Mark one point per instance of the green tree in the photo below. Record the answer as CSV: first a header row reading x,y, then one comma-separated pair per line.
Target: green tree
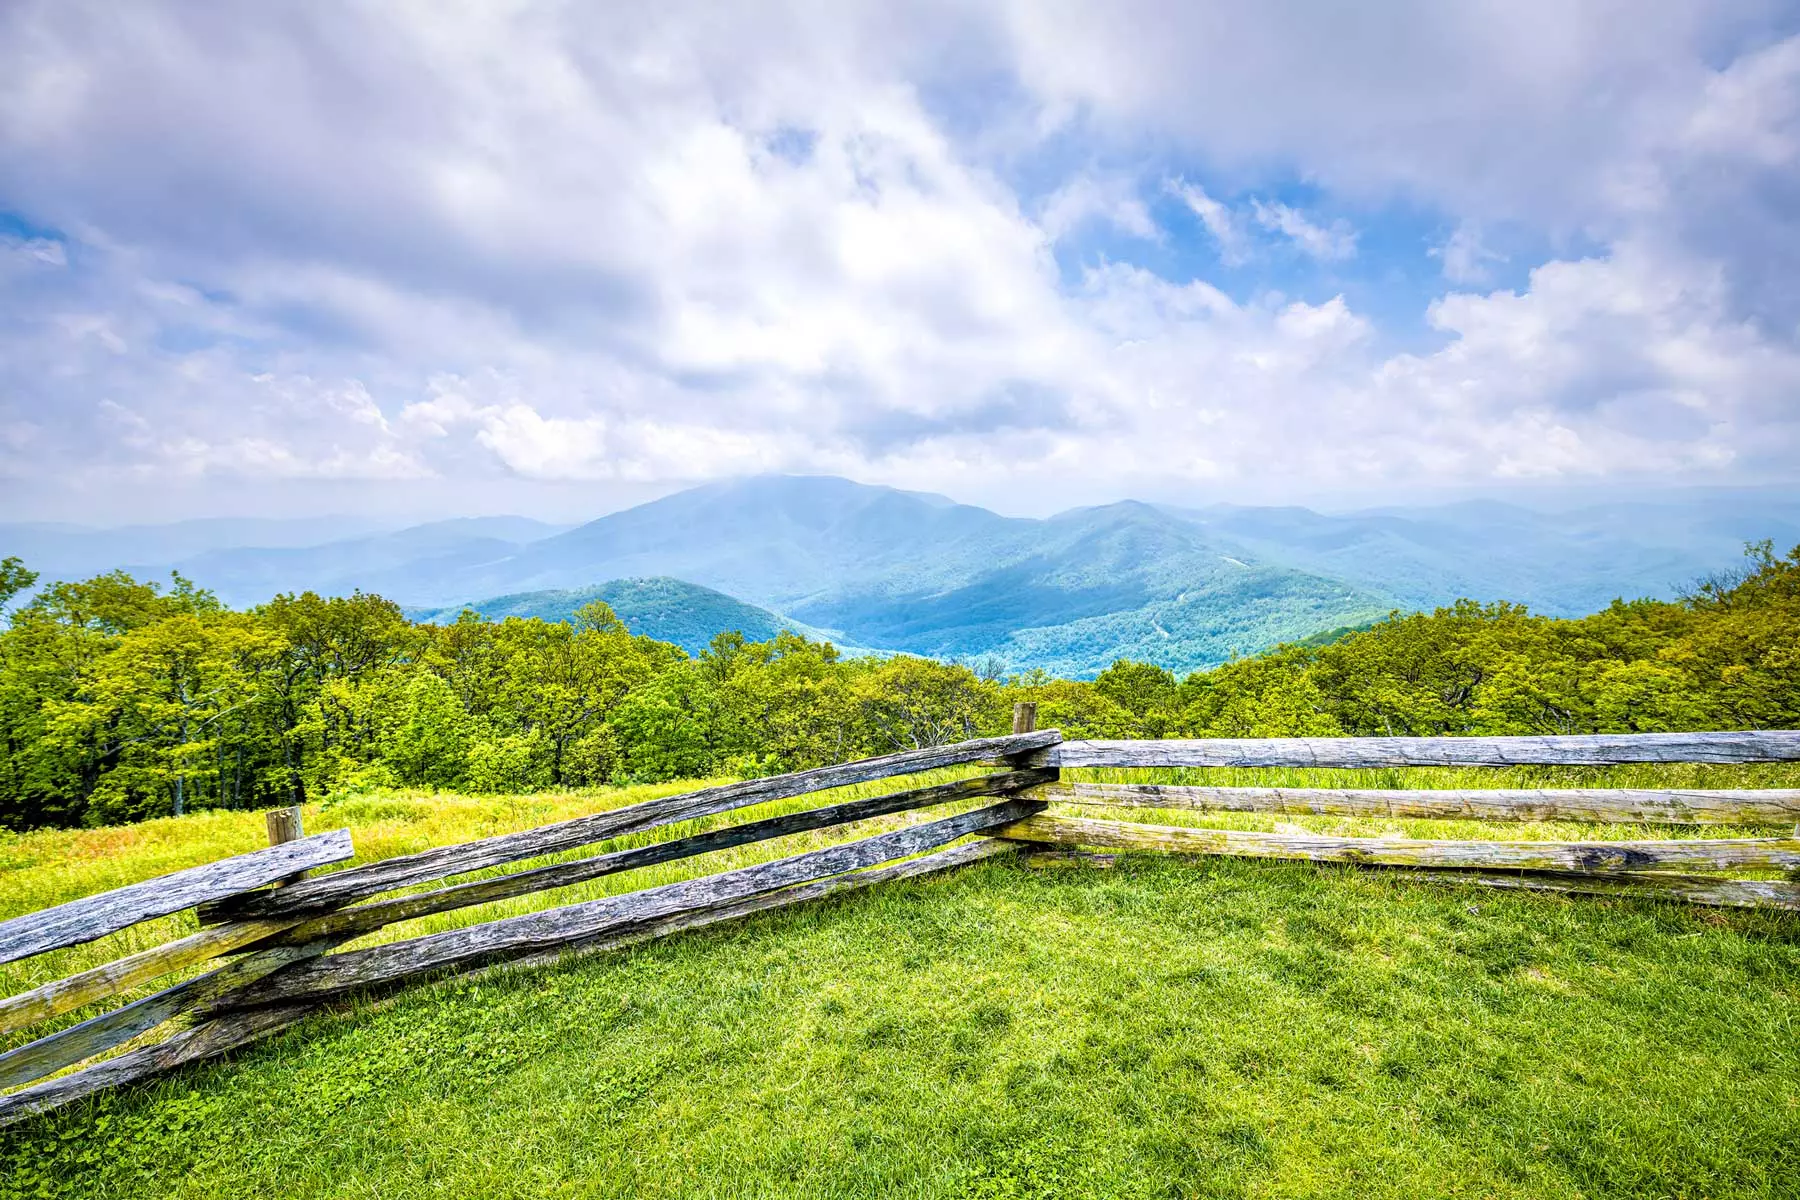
x,y
429,742
14,578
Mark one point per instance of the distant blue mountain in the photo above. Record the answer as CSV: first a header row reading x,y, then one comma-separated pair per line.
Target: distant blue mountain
x,y
895,570
1562,563
61,551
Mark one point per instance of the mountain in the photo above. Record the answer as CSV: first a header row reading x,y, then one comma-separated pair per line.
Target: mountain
x,y
247,561
60,551
900,570
897,570
1075,592
1562,563
669,610
770,540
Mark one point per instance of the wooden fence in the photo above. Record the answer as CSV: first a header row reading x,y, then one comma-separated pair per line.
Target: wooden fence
x,y
283,937
283,930
1689,869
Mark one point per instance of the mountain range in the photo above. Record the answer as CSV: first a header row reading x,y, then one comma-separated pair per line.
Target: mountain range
x,y
886,569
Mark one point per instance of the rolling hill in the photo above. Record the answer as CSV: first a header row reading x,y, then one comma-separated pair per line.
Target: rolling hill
x,y
669,610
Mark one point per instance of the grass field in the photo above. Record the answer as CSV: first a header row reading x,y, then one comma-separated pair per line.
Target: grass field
x,y
1169,1028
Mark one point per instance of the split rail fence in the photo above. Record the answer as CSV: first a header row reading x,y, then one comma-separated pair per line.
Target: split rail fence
x,y
272,937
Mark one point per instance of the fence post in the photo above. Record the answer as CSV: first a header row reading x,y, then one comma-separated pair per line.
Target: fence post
x,y
285,826
1025,721
1025,716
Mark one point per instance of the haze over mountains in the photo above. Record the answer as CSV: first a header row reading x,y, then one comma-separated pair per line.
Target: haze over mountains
x,y
886,569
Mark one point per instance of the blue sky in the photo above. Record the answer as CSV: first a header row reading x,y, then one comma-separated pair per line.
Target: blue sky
x,y
422,260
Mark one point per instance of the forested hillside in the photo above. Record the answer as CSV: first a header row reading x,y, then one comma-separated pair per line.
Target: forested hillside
x,y
121,699
669,610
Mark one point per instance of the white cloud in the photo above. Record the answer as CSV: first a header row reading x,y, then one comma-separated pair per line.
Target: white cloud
x,y
33,252
1625,366
1325,243
1224,226
598,243
1084,198
1519,111
1465,256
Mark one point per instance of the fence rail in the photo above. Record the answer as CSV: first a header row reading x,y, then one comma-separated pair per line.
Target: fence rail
x,y
93,917
1593,750
280,936
1719,854
287,939
1599,806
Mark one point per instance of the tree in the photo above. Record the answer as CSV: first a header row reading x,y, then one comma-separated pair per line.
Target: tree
x,y
14,578
1146,691
560,682
157,701
909,703
429,741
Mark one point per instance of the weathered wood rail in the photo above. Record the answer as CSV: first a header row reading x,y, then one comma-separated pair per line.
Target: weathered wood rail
x,y
1586,750
1641,868
93,917
287,931
1598,806
1722,854
279,927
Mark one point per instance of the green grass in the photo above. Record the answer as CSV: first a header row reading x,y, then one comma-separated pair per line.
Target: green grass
x,y
1169,1028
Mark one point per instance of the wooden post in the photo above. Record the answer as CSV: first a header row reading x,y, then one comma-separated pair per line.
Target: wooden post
x,y
285,826
1025,716
1025,721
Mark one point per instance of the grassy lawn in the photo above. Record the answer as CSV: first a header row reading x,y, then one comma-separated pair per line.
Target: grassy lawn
x,y
1168,1028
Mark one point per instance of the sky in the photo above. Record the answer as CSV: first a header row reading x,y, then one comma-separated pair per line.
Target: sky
x,y
554,258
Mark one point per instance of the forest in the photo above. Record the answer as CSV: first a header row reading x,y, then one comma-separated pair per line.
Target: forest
x,y
122,699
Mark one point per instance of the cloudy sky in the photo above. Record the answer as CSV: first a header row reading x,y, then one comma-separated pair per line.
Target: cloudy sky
x,y
555,257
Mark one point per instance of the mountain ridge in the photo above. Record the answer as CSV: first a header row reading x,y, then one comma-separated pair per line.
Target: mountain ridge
x,y
915,571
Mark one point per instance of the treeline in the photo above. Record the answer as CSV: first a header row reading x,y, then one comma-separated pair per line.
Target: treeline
x,y
121,699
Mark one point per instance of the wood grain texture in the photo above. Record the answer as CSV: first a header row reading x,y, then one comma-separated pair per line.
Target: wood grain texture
x,y
363,918
551,929
359,883
78,991
203,1041
100,1034
1024,716
1586,857
94,917
1653,806
1600,749
285,825
1688,889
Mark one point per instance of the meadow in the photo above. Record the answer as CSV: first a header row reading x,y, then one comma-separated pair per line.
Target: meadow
x,y
1169,1027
